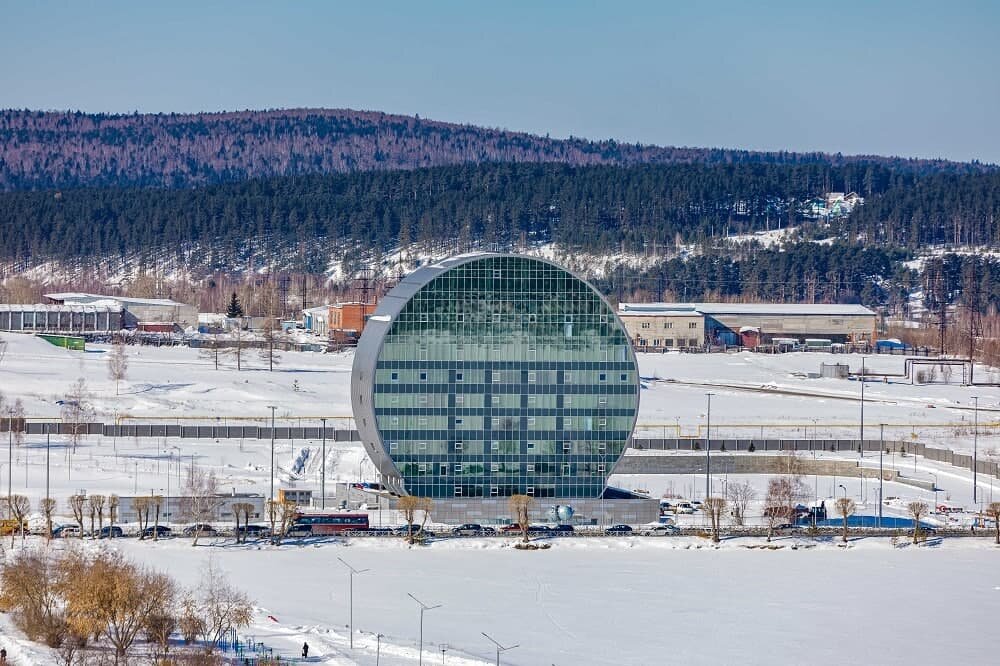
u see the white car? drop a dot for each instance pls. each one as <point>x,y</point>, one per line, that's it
<point>660,530</point>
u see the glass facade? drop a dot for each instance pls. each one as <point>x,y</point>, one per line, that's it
<point>504,375</point>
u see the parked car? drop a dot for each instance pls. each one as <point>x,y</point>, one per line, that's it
<point>255,531</point>
<point>403,530</point>
<point>562,529</point>
<point>159,531</point>
<point>201,529</point>
<point>684,507</point>
<point>619,530</point>
<point>66,531</point>
<point>110,532</point>
<point>489,531</point>
<point>660,530</point>
<point>468,529</point>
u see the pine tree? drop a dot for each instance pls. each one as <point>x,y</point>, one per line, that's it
<point>235,309</point>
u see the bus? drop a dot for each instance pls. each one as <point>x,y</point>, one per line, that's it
<point>328,523</point>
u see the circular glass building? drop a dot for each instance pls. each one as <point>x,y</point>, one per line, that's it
<point>492,375</point>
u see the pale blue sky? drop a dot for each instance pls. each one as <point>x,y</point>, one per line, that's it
<point>912,78</point>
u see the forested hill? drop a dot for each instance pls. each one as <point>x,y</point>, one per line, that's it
<point>48,150</point>
<point>603,210</point>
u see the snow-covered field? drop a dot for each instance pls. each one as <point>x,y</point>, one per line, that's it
<point>632,601</point>
<point>585,601</point>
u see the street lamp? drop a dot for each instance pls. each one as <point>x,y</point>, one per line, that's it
<point>845,489</point>
<point>708,447</point>
<point>272,408</point>
<point>881,448</point>
<point>423,608</point>
<point>500,648</point>
<point>975,452</point>
<point>350,577</point>
<point>861,441</point>
<point>48,457</point>
<point>322,470</point>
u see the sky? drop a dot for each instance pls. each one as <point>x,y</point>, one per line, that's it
<point>913,78</point>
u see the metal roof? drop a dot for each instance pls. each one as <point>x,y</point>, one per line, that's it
<point>81,297</point>
<point>712,309</point>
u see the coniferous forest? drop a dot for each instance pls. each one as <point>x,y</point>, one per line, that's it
<point>680,211</point>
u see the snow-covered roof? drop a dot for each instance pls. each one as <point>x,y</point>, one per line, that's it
<point>744,308</point>
<point>96,306</point>
<point>319,309</point>
<point>79,297</point>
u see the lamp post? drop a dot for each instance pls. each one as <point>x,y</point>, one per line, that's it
<point>10,456</point>
<point>350,577</point>
<point>423,608</point>
<point>881,448</point>
<point>272,408</point>
<point>861,432</point>
<point>845,489</point>
<point>708,447</point>
<point>322,470</point>
<point>500,648</point>
<point>975,452</point>
<point>48,456</point>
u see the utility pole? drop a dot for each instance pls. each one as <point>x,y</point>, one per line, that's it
<point>322,470</point>
<point>272,408</point>
<point>423,608</point>
<point>350,577</point>
<point>708,448</point>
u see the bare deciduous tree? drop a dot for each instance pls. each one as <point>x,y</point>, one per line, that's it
<point>520,509</point>
<point>29,590</point>
<point>113,503</point>
<point>156,503</point>
<point>47,505</point>
<point>141,506</point>
<point>280,513</point>
<point>76,504</point>
<point>215,608</point>
<point>916,510</point>
<point>107,595</point>
<point>740,494</point>
<point>244,510</point>
<point>15,412</point>
<point>409,505</point>
<point>993,511</point>
<point>96,503</point>
<point>19,507</point>
<point>271,335</point>
<point>714,508</point>
<point>117,365</point>
<point>200,502</point>
<point>783,494</point>
<point>846,509</point>
<point>76,411</point>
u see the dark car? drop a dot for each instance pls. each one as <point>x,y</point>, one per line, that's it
<point>253,530</point>
<point>489,531</point>
<point>403,530</point>
<point>160,531</point>
<point>110,532</point>
<point>618,529</point>
<point>201,529</point>
<point>468,529</point>
<point>562,530</point>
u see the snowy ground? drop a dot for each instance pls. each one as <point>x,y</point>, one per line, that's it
<point>618,601</point>
<point>610,601</point>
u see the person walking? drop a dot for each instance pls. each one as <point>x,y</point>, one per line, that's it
<point>3,656</point>
<point>305,650</point>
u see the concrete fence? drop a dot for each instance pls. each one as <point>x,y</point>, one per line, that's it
<point>762,445</point>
